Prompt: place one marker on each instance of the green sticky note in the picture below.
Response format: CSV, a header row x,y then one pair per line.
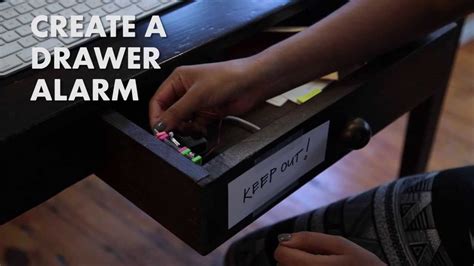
x,y
309,95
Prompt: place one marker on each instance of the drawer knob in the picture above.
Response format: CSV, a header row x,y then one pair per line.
x,y
357,134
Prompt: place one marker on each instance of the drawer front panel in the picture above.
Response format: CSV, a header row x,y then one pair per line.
x,y
258,185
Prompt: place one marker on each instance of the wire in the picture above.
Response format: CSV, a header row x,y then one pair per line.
x,y
243,123
237,120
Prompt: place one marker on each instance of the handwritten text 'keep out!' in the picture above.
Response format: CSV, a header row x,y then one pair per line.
x,y
265,181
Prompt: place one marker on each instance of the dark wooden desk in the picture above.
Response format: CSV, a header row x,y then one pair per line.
x,y
48,146
31,133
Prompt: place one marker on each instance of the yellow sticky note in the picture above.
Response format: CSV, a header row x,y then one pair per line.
x,y
309,95
332,76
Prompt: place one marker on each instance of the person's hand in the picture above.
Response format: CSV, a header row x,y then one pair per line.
x,y
311,249
187,97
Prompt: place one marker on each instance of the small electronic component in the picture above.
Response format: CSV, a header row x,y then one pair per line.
x,y
187,146
171,141
198,145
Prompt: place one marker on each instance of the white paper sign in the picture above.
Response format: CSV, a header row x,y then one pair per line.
x,y
265,180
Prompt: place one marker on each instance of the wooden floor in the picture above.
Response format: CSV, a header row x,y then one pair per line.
x,y
91,224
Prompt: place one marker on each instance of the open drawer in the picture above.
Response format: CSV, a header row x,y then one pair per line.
x,y
206,205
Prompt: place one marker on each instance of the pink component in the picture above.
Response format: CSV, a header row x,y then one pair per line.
x,y
162,135
158,134
182,149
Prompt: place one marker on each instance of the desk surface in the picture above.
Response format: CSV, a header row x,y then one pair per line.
x,y
194,27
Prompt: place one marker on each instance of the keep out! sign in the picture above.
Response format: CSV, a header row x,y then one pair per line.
x,y
265,180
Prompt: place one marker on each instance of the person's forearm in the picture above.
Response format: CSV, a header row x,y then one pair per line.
x,y
355,33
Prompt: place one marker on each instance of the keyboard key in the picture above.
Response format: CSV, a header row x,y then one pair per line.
x,y
68,13
11,24
25,18
49,43
25,55
148,4
37,3
81,8
93,3
98,12
122,3
16,2
10,36
130,11
9,62
24,30
39,12
4,6
67,3
54,8
28,41
23,8
2,29
9,13
9,48
110,8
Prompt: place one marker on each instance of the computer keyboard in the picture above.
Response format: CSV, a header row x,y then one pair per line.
x,y
16,38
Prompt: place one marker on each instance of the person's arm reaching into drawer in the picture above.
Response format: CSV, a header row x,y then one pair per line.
x,y
356,32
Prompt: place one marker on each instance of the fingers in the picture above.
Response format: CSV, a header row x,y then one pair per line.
x,y
318,243
170,90
294,257
191,88
182,110
174,102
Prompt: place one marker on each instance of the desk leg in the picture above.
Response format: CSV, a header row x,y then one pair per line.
x,y
423,120
420,133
